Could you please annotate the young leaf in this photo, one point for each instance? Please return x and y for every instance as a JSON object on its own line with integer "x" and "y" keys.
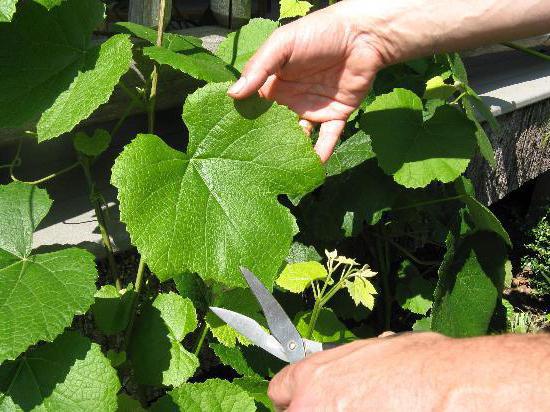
{"x": 234, "y": 358}
{"x": 191, "y": 286}
{"x": 362, "y": 292}
{"x": 483, "y": 142}
{"x": 112, "y": 310}
{"x": 416, "y": 152}
{"x": 423, "y": 325}
{"x": 39, "y": 294}
{"x": 215, "y": 208}
{"x": 155, "y": 350}
{"x": 293, "y": 8}
{"x": 92, "y": 146}
{"x": 240, "y": 45}
{"x": 101, "y": 71}
{"x": 211, "y": 395}
{"x": 51, "y": 60}
{"x": 470, "y": 283}
{"x": 327, "y": 329}
{"x": 482, "y": 108}
{"x": 238, "y": 300}
{"x": 296, "y": 277}
{"x": 349, "y": 154}
{"x": 68, "y": 374}
{"x": 7, "y": 10}
{"x": 257, "y": 388}
{"x": 436, "y": 88}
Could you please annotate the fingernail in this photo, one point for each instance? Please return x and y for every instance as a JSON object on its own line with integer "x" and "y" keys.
{"x": 238, "y": 86}
{"x": 306, "y": 126}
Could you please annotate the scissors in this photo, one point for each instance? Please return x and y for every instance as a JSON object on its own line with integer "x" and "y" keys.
{"x": 285, "y": 341}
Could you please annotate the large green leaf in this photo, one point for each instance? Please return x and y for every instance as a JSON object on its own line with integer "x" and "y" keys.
{"x": 296, "y": 277}
{"x": 171, "y": 41}
{"x": 65, "y": 75}
{"x": 69, "y": 374}
{"x": 345, "y": 203}
{"x": 349, "y": 154}
{"x": 112, "y": 310}
{"x": 416, "y": 152}
{"x": 257, "y": 388}
{"x": 215, "y": 208}
{"x": 39, "y": 294}
{"x": 471, "y": 280}
{"x": 155, "y": 350}
{"x": 7, "y": 9}
{"x": 213, "y": 395}
{"x": 193, "y": 60}
{"x": 234, "y": 358}
{"x": 240, "y": 45}
{"x": 92, "y": 87}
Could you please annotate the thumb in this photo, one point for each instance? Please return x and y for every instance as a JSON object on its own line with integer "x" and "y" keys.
{"x": 268, "y": 60}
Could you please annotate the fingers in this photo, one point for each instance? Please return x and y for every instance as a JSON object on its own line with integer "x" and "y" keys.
{"x": 268, "y": 60}
{"x": 329, "y": 133}
{"x": 281, "y": 388}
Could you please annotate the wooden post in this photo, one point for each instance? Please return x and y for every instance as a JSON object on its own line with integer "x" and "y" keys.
{"x": 146, "y": 12}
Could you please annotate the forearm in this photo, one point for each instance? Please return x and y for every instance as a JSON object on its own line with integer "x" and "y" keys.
{"x": 498, "y": 373}
{"x": 407, "y": 29}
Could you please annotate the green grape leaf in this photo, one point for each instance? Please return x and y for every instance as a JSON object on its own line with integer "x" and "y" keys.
{"x": 92, "y": 146}
{"x": 128, "y": 404}
{"x": 112, "y": 310}
{"x": 116, "y": 358}
{"x": 349, "y": 154}
{"x": 302, "y": 253}
{"x": 7, "y": 9}
{"x": 481, "y": 217}
{"x": 39, "y": 294}
{"x": 191, "y": 286}
{"x": 362, "y": 292}
{"x": 171, "y": 41}
{"x": 436, "y": 88}
{"x": 345, "y": 203}
{"x": 60, "y": 49}
{"x": 192, "y": 60}
{"x": 155, "y": 350}
{"x": 293, "y": 8}
{"x": 213, "y": 395}
{"x": 470, "y": 284}
{"x": 483, "y": 142}
{"x": 241, "y": 155}
{"x": 68, "y": 374}
{"x": 234, "y": 358}
{"x": 92, "y": 87}
{"x": 413, "y": 292}
{"x": 457, "y": 67}
{"x": 473, "y": 98}
{"x": 296, "y": 277}
{"x": 257, "y": 388}
{"x": 238, "y": 300}
{"x": 423, "y": 324}
{"x": 416, "y": 152}
{"x": 240, "y": 45}
{"x": 327, "y": 329}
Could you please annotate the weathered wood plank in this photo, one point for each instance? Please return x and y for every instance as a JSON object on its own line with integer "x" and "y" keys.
{"x": 146, "y": 12}
{"x": 522, "y": 150}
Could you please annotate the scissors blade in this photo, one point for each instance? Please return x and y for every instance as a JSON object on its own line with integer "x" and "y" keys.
{"x": 278, "y": 321}
{"x": 252, "y": 330}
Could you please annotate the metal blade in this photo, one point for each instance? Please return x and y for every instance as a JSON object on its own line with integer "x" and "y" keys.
{"x": 252, "y": 330}
{"x": 312, "y": 346}
{"x": 278, "y": 321}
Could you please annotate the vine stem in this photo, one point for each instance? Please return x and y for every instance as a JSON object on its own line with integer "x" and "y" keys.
{"x": 155, "y": 74}
{"x": 137, "y": 288}
{"x": 102, "y": 223}
{"x": 527, "y": 50}
{"x": 430, "y": 202}
{"x": 43, "y": 179}
{"x": 202, "y": 336}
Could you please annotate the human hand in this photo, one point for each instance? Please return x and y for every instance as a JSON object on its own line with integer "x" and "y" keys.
{"x": 320, "y": 66}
